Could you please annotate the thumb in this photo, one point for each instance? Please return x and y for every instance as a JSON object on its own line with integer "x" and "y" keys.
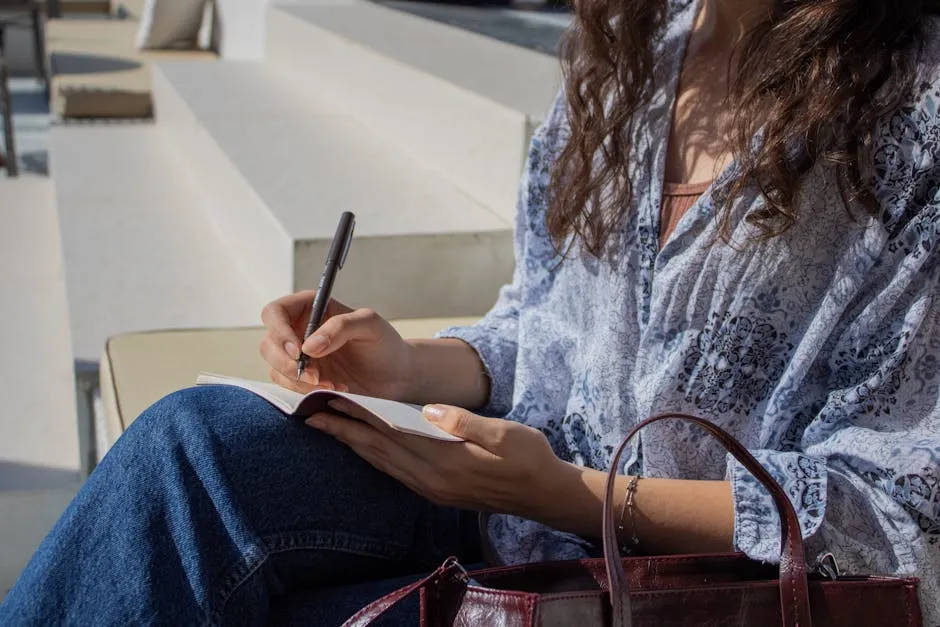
{"x": 490, "y": 433}
{"x": 340, "y": 329}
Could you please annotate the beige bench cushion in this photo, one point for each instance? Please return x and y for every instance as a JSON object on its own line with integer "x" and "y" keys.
{"x": 98, "y": 73}
{"x": 138, "y": 369}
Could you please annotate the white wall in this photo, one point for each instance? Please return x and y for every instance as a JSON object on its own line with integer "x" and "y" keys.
{"x": 240, "y": 25}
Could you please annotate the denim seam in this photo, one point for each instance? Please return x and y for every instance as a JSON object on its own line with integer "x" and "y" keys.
{"x": 336, "y": 540}
{"x": 253, "y": 560}
{"x": 268, "y": 545}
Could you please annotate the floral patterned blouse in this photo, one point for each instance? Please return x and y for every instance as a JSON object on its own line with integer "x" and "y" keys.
{"x": 819, "y": 349}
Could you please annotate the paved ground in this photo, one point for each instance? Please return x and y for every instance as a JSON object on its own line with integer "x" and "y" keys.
{"x": 532, "y": 26}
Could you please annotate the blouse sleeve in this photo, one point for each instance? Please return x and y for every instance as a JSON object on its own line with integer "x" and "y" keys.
{"x": 495, "y": 336}
{"x": 866, "y": 482}
{"x": 865, "y": 474}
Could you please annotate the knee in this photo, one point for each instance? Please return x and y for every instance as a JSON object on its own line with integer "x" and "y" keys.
{"x": 183, "y": 409}
{"x": 199, "y": 415}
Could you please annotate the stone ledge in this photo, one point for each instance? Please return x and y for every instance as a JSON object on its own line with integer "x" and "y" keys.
{"x": 139, "y": 251}
{"x": 461, "y": 104}
{"x": 278, "y": 166}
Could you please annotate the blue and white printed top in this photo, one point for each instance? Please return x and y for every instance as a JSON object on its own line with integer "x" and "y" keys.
{"x": 819, "y": 349}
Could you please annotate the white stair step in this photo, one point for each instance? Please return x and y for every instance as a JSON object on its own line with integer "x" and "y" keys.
{"x": 37, "y": 421}
{"x": 462, "y": 103}
{"x": 140, "y": 253}
{"x": 278, "y": 167}
{"x": 39, "y": 439}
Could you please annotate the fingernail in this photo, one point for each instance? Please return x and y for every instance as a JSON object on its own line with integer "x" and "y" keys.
{"x": 315, "y": 421}
{"x": 292, "y": 350}
{"x": 311, "y": 375}
{"x": 315, "y": 344}
{"x": 433, "y": 412}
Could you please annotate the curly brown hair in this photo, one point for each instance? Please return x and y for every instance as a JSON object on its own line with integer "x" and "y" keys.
{"x": 814, "y": 77}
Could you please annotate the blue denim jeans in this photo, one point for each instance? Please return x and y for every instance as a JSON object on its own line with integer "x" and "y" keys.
{"x": 214, "y": 508}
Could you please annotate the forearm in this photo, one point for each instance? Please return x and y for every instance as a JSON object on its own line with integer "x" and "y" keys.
{"x": 672, "y": 515}
{"x": 446, "y": 371}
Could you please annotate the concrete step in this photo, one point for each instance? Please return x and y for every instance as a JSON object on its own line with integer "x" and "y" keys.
{"x": 139, "y": 251}
{"x": 463, "y": 104}
{"x": 40, "y": 467}
{"x": 278, "y": 166}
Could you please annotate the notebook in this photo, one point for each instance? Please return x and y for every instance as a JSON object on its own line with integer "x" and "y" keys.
{"x": 399, "y": 416}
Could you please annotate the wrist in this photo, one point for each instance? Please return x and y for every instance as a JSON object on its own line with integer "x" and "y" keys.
{"x": 564, "y": 499}
{"x": 446, "y": 371}
{"x": 413, "y": 374}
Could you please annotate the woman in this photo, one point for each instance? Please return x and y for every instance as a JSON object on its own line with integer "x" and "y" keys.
{"x": 791, "y": 299}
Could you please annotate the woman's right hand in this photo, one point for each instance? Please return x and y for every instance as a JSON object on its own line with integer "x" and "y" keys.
{"x": 353, "y": 350}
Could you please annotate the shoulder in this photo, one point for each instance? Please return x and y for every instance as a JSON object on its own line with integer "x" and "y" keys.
{"x": 548, "y": 141}
{"x": 923, "y": 101}
{"x": 916, "y": 122}
{"x": 905, "y": 151}
{"x": 553, "y": 131}
{"x": 928, "y": 56}
{"x": 916, "y": 119}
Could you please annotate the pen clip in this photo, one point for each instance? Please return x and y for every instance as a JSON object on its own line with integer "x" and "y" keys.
{"x": 346, "y": 244}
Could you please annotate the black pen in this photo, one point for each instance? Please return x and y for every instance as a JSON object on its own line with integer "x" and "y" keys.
{"x": 334, "y": 261}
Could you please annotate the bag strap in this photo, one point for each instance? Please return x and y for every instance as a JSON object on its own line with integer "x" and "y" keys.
{"x": 450, "y": 570}
{"x": 794, "y": 593}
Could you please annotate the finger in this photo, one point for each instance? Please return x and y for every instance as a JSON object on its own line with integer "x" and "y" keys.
{"x": 423, "y": 447}
{"x": 288, "y": 382}
{"x": 277, "y": 357}
{"x": 274, "y": 353}
{"x": 336, "y": 308}
{"x": 279, "y": 317}
{"x": 340, "y": 329}
{"x": 489, "y": 433}
{"x": 291, "y": 383}
{"x": 352, "y": 410}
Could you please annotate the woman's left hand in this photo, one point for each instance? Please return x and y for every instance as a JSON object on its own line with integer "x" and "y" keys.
{"x": 502, "y": 466}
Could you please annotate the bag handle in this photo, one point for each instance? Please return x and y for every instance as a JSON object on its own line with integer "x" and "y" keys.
{"x": 794, "y": 592}
{"x": 449, "y": 570}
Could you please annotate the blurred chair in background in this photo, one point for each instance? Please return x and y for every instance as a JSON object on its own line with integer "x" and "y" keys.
{"x": 8, "y": 156}
{"x": 15, "y": 13}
